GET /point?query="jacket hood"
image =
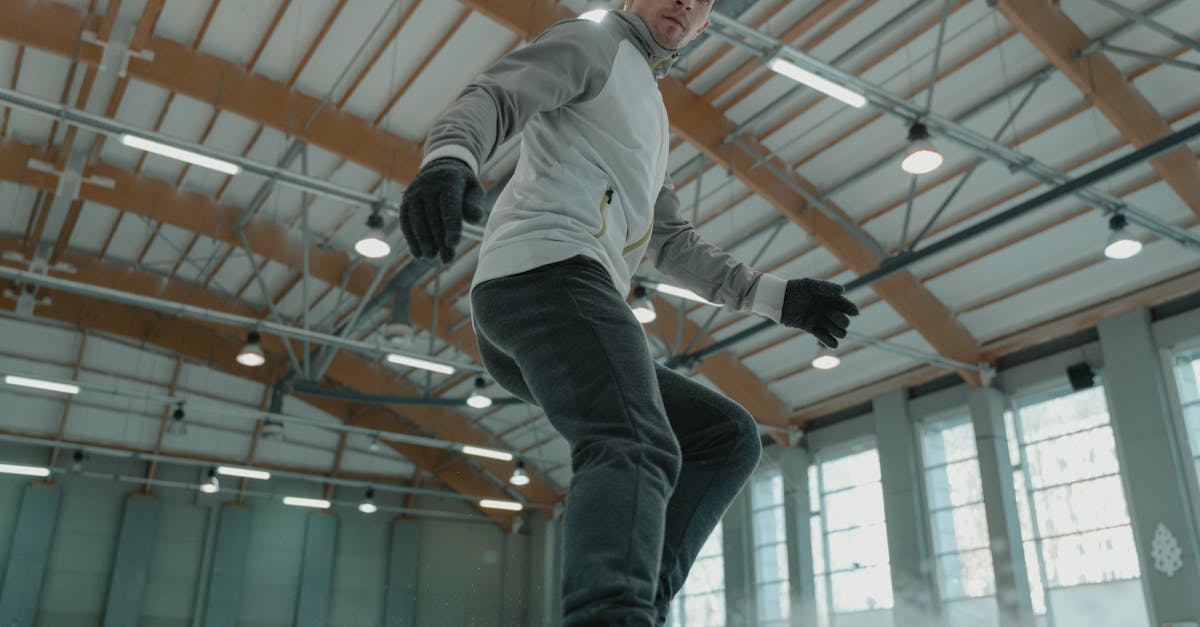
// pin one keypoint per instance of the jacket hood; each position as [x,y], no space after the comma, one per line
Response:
[660,59]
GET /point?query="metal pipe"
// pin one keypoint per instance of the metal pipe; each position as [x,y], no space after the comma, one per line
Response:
[185,461]
[210,315]
[114,128]
[887,102]
[226,411]
[308,387]
[900,261]
[1153,25]
[183,485]
[1138,54]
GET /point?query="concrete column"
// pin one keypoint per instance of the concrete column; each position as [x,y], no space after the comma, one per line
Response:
[131,566]
[1152,464]
[793,463]
[545,571]
[737,549]
[224,601]
[1000,505]
[515,565]
[32,537]
[316,571]
[904,507]
[400,606]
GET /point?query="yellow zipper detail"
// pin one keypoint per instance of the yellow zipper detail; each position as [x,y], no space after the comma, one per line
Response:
[638,243]
[605,201]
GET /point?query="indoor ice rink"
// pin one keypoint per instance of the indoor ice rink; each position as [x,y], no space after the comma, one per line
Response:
[233,396]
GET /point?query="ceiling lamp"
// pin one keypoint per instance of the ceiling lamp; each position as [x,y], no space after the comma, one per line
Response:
[368,505]
[920,157]
[77,461]
[177,426]
[1121,245]
[211,483]
[252,354]
[271,429]
[245,473]
[643,309]
[519,476]
[477,399]
[373,245]
[825,359]
[594,15]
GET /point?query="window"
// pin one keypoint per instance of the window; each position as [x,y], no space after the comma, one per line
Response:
[958,521]
[1187,372]
[850,551]
[770,549]
[1074,521]
[701,602]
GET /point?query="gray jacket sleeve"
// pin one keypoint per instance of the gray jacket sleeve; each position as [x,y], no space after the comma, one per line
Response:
[566,64]
[677,251]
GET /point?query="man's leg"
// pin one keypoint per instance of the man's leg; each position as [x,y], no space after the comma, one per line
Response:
[721,447]
[583,358]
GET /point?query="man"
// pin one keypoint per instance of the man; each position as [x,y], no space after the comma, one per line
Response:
[656,457]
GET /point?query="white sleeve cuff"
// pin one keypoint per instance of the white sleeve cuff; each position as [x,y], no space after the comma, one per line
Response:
[458,152]
[767,297]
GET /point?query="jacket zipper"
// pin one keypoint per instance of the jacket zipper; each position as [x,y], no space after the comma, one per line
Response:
[605,201]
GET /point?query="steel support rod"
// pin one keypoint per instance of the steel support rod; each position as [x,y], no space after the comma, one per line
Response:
[221,317]
[1152,24]
[114,129]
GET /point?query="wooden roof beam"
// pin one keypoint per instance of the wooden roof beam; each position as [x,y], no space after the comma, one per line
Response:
[1060,39]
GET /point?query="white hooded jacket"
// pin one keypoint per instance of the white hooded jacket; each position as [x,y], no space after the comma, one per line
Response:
[592,174]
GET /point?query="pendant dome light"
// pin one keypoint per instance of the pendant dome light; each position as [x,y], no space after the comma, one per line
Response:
[920,157]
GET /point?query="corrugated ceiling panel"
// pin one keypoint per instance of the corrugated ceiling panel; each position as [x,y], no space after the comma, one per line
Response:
[202,259]
[91,231]
[179,21]
[474,47]
[344,40]
[18,203]
[239,26]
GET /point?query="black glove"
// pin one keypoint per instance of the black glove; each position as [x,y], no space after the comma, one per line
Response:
[817,307]
[445,193]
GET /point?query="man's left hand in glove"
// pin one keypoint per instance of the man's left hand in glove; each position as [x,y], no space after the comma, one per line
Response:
[819,308]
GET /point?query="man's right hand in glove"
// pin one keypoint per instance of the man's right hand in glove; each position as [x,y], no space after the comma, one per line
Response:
[817,307]
[445,193]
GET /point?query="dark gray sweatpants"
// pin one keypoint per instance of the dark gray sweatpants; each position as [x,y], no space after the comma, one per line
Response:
[656,457]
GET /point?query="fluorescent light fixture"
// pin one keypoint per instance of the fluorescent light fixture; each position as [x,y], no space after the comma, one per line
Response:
[248,473]
[413,362]
[49,386]
[303,502]
[594,15]
[671,290]
[827,87]
[31,471]
[194,158]
[487,452]
[506,505]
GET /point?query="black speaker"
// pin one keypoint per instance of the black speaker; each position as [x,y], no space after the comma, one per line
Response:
[1081,375]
